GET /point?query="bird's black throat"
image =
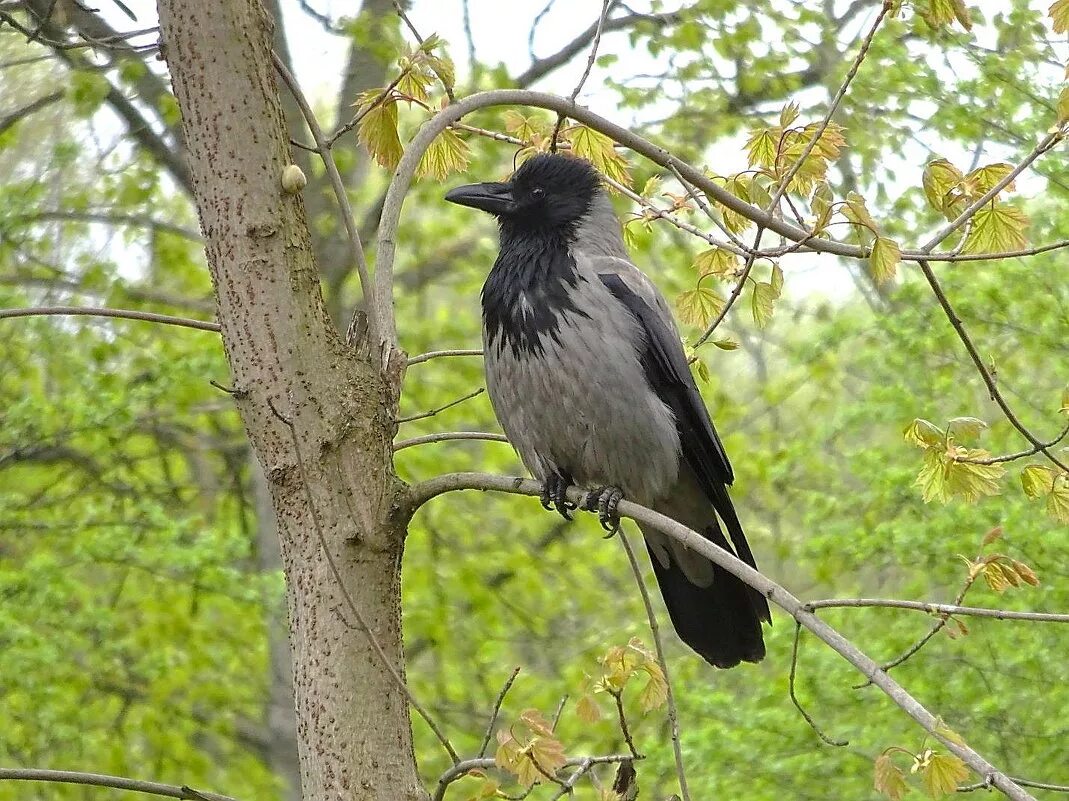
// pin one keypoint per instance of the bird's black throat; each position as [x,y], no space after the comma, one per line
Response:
[529,289]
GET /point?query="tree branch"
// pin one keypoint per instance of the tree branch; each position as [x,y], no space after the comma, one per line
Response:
[438,354]
[655,631]
[128,314]
[104,780]
[937,609]
[985,373]
[431,488]
[8,120]
[543,66]
[446,436]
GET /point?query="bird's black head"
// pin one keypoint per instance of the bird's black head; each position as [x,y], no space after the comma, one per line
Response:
[549,192]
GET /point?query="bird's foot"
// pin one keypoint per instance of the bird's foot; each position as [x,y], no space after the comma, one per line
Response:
[554,496]
[604,501]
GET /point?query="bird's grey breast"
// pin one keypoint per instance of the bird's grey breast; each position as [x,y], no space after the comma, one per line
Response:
[564,374]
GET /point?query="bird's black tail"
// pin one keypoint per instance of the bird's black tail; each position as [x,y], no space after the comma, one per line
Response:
[713,611]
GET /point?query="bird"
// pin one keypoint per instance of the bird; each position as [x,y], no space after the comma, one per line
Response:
[588,378]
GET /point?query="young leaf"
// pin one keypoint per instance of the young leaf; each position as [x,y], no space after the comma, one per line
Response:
[923,434]
[447,155]
[1037,481]
[996,228]
[699,306]
[941,179]
[943,774]
[761,148]
[763,302]
[884,259]
[1058,500]
[1027,574]
[983,179]
[600,151]
[966,427]
[587,709]
[857,212]
[889,779]
[788,115]
[717,261]
[655,694]
[378,133]
[991,536]
[726,344]
[1059,13]
[1062,106]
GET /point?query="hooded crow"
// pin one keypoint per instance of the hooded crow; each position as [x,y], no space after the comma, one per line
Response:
[588,378]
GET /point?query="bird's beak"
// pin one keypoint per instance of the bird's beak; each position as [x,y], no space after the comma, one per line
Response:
[495,198]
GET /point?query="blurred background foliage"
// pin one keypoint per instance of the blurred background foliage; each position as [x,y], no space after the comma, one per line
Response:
[139,589]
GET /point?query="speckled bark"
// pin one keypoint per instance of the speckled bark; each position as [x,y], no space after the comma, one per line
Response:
[353,727]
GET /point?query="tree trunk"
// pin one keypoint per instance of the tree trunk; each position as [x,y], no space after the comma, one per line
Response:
[327,451]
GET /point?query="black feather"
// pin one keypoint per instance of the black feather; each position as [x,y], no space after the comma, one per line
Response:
[721,622]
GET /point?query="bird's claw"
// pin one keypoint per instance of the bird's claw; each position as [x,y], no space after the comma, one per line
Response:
[604,501]
[554,496]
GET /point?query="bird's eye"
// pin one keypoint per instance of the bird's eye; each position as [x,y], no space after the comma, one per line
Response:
[538,193]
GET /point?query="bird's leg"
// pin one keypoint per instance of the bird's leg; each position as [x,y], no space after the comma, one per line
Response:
[554,495]
[604,501]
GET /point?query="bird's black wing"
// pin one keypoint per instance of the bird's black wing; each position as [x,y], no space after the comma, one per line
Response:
[669,376]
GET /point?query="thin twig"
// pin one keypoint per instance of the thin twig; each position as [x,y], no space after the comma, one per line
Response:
[618,697]
[433,412]
[438,354]
[345,210]
[114,782]
[497,710]
[985,373]
[465,766]
[1011,457]
[655,631]
[97,311]
[349,601]
[446,436]
[1048,142]
[776,593]
[605,6]
[569,784]
[794,698]
[937,609]
[408,22]
[784,184]
[1054,788]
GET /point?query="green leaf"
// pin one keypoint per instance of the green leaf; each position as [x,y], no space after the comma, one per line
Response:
[718,262]
[447,155]
[699,306]
[1037,481]
[939,13]
[788,115]
[857,212]
[941,181]
[944,476]
[943,774]
[983,179]
[600,151]
[1059,14]
[889,779]
[966,427]
[923,434]
[726,344]
[524,127]
[1062,105]
[1058,500]
[761,148]
[884,259]
[378,133]
[649,189]
[776,280]
[763,302]
[997,228]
